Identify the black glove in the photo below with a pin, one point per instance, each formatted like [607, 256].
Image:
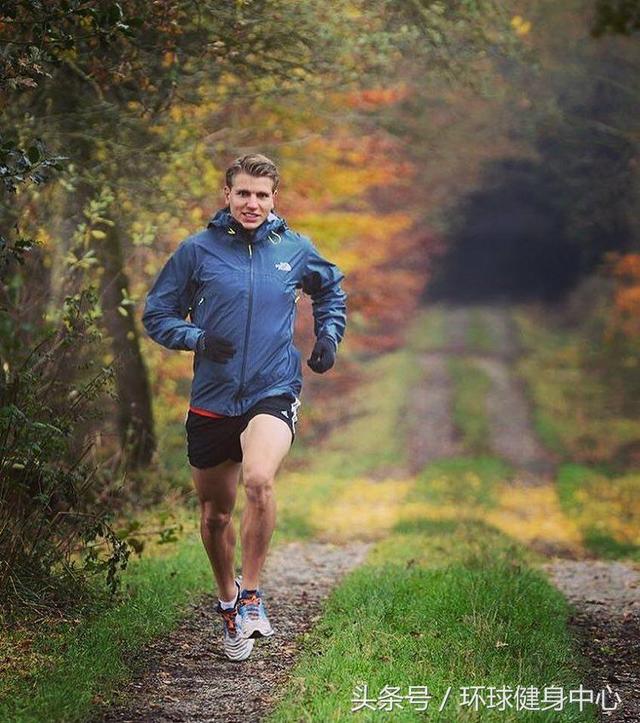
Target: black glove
[215, 348]
[323, 356]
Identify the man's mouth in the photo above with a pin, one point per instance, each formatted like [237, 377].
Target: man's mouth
[251, 216]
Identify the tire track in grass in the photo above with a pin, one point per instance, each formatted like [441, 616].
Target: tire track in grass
[512, 434]
[431, 403]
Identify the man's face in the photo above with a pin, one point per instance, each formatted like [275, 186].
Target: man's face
[250, 199]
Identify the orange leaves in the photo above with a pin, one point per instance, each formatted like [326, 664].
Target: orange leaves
[373, 98]
[352, 194]
[627, 267]
[626, 297]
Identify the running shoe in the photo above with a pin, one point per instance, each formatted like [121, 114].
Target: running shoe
[236, 646]
[253, 616]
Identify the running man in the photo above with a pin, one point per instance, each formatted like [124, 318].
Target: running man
[238, 281]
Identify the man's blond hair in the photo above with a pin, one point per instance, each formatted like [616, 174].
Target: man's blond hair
[254, 164]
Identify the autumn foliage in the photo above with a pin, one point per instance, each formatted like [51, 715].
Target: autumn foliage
[625, 318]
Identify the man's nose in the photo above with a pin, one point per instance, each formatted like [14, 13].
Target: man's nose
[253, 201]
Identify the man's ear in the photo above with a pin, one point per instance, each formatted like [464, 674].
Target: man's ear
[227, 193]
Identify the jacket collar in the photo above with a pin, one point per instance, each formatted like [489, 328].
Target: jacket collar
[272, 227]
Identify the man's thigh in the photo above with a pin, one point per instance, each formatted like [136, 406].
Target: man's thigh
[265, 443]
[217, 485]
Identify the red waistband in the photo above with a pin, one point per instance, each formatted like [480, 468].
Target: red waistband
[205, 413]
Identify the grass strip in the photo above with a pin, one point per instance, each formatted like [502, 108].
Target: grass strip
[428, 331]
[462, 481]
[87, 662]
[470, 388]
[479, 337]
[438, 604]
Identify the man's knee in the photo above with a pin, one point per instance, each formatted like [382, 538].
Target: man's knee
[214, 520]
[258, 485]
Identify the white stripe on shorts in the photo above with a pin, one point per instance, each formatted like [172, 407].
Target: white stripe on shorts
[294, 413]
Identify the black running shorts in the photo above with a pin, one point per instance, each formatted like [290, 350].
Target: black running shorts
[211, 441]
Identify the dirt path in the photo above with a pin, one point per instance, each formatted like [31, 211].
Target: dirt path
[187, 677]
[431, 408]
[512, 435]
[605, 595]
[607, 600]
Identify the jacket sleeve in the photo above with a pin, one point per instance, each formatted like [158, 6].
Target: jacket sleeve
[321, 280]
[169, 300]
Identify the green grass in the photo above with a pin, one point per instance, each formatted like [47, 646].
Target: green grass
[479, 337]
[572, 409]
[470, 388]
[606, 508]
[428, 332]
[80, 664]
[438, 604]
[462, 481]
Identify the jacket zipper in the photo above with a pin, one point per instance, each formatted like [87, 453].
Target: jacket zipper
[248, 328]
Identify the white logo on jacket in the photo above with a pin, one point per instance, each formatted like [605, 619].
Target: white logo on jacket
[283, 266]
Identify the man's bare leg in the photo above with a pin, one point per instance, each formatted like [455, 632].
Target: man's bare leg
[265, 442]
[217, 488]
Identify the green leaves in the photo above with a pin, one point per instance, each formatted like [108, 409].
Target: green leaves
[18, 166]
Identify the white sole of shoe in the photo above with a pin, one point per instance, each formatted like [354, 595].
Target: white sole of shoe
[259, 630]
[240, 650]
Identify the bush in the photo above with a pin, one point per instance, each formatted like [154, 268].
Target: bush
[54, 525]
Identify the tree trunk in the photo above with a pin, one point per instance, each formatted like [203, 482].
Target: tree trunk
[135, 414]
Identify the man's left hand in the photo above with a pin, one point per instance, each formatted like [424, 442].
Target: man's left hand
[323, 356]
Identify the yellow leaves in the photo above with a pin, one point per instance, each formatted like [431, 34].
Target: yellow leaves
[611, 506]
[355, 240]
[365, 510]
[531, 514]
[196, 214]
[520, 26]
[96, 233]
[43, 237]
[70, 54]
[176, 113]
[181, 233]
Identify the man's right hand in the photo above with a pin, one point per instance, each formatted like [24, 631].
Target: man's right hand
[215, 348]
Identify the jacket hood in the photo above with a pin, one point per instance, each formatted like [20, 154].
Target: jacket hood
[273, 224]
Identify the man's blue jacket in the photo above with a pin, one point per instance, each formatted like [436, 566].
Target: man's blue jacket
[242, 286]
